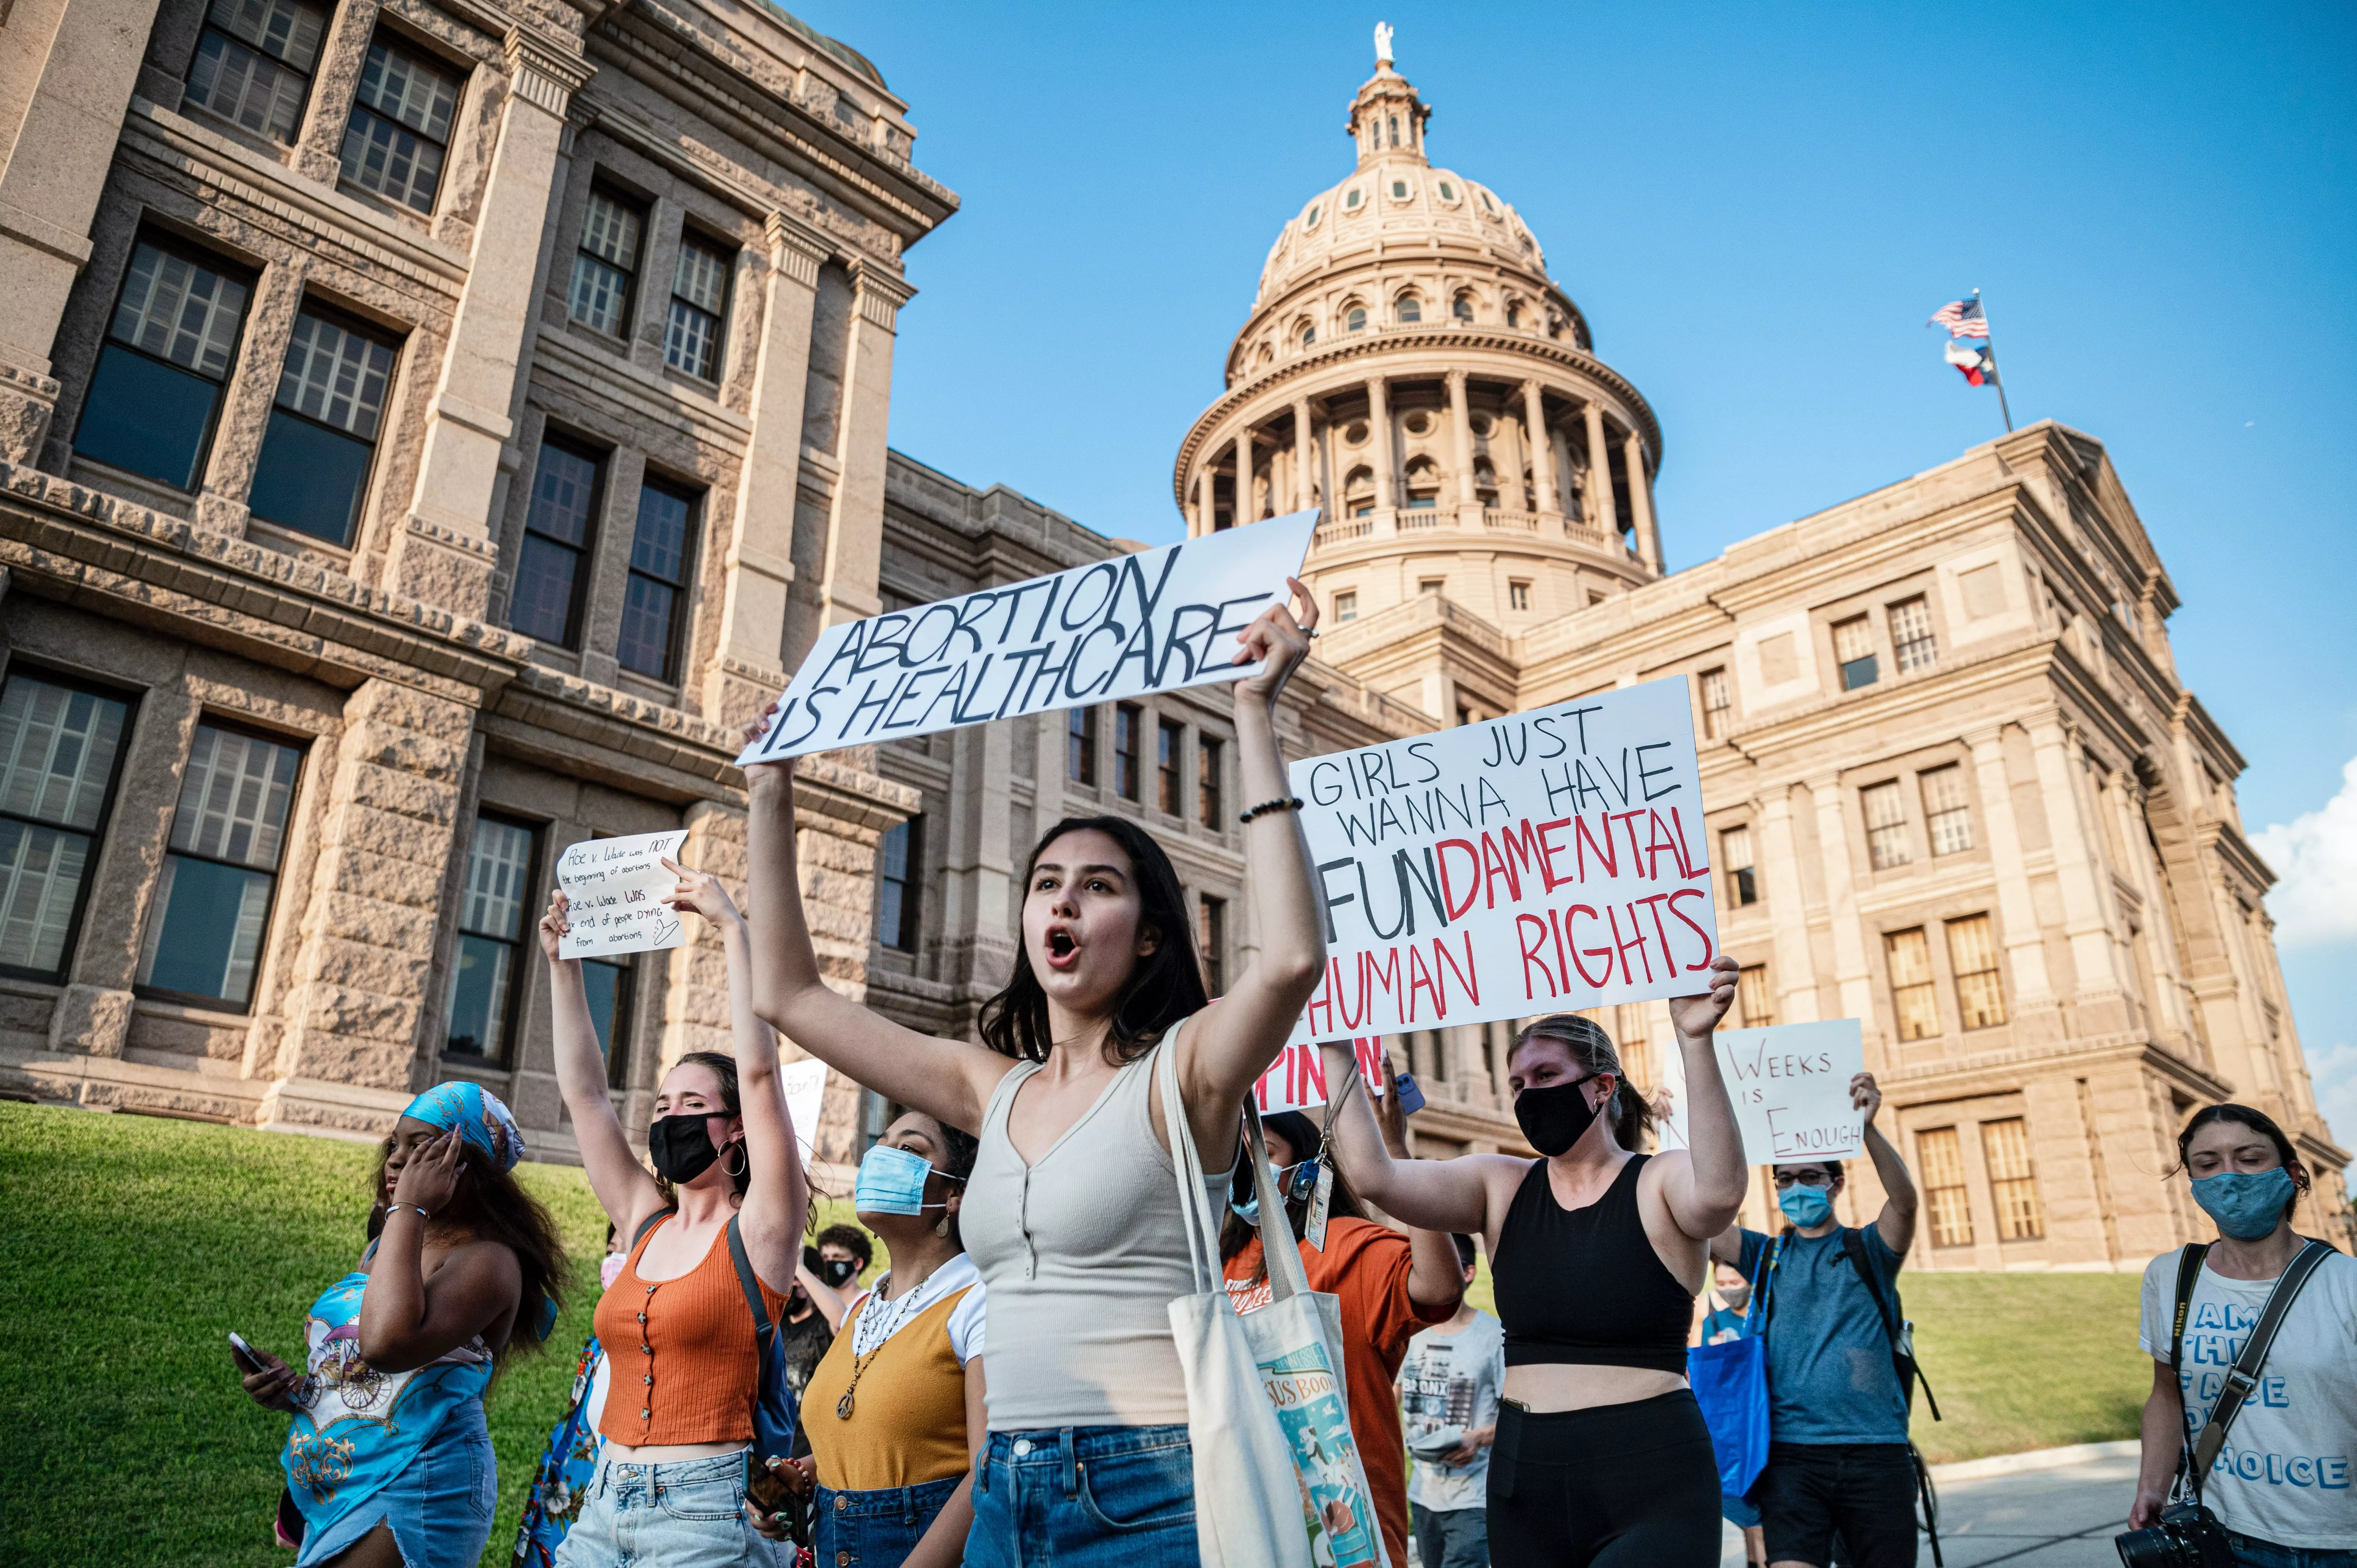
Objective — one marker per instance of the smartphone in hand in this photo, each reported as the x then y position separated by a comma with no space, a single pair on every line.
249,1360
1411,1098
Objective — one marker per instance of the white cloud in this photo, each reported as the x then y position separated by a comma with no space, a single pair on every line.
2316,857
2333,1071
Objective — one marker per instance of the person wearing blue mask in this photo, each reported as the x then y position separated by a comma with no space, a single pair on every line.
895,1412
1838,1463
2281,1486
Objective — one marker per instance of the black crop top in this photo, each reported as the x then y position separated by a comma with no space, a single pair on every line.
1583,1285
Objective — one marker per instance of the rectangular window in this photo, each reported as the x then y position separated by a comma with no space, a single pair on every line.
2006,1146
1937,1151
1913,996
493,921
606,263
1972,956
400,130
1717,704
157,384
1886,825
660,552
314,469
1946,813
1215,945
212,903
1518,596
608,984
699,304
1209,755
1853,651
59,750
1758,1008
1346,606
1911,635
1170,764
253,63
899,895
1430,584
1126,760
1080,746
552,569
1734,855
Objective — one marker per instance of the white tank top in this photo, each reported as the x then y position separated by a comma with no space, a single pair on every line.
1083,1254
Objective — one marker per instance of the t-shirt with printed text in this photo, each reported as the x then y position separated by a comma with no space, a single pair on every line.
1452,1380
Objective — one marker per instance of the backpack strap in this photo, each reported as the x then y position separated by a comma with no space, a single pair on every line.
649,1223
1902,1348
763,1330
2244,1376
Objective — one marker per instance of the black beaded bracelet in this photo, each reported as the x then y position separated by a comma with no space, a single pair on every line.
1291,803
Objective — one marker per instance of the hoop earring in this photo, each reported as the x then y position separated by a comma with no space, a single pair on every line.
744,1162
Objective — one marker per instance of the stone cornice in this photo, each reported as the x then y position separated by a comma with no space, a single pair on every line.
545,72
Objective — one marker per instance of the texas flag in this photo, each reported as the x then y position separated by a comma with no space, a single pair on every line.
1974,359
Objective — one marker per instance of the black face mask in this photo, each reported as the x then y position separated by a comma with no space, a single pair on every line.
1556,1117
681,1147
836,1271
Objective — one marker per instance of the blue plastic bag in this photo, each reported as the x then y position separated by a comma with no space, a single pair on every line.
1730,1383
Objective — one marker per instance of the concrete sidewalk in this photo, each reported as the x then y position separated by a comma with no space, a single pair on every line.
2058,1508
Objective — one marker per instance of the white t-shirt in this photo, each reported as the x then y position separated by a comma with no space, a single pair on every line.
967,1318
2285,1472
1452,1380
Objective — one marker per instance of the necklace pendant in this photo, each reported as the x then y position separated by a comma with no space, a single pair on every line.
843,1406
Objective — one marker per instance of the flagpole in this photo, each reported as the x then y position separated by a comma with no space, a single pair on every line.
1996,374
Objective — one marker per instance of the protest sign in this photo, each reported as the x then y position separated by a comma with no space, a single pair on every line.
1297,1080
1156,621
804,1083
1790,1084
1533,864
614,889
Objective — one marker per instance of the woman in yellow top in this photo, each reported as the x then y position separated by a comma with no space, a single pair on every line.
895,1411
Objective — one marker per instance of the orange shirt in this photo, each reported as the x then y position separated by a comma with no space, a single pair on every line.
680,1351
1366,1264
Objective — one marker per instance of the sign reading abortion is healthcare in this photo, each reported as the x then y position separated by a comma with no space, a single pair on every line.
1533,864
1155,621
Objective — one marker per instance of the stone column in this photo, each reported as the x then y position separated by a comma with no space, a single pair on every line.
1534,436
1379,430
1640,505
444,555
978,860
1240,513
855,524
1795,976
1468,494
1206,506
758,539
2077,866
1841,898
58,133
2025,943
1305,458
1602,512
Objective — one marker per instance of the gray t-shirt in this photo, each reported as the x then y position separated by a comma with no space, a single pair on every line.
1452,1380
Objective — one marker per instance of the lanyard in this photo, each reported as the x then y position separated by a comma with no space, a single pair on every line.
1764,1289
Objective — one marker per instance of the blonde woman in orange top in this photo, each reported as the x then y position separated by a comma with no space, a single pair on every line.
670,1485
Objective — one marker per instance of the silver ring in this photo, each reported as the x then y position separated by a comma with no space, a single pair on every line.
1313,631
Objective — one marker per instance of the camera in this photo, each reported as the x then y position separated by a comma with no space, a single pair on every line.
2187,1536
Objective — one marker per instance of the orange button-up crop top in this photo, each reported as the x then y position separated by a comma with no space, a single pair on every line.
680,1352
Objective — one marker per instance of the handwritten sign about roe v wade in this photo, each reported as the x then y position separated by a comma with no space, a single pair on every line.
1535,863
1155,621
613,890
1789,1083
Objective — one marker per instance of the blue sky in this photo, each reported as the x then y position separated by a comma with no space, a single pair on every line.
1756,208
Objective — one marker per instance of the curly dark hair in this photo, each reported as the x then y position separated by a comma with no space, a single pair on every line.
490,1204
1593,1050
1163,987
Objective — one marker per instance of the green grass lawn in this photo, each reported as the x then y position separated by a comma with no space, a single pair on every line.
130,1246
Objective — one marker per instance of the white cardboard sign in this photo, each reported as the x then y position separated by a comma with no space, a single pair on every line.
1156,621
1535,863
613,890
1789,1083
1298,1078
804,1083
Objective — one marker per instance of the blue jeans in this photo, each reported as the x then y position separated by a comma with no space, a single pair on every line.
1085,1497
1451,1538
875,1528
2250,1552
690,1514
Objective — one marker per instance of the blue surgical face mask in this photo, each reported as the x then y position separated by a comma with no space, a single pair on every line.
1249,1210
892,1181
1806,1206
2247,1205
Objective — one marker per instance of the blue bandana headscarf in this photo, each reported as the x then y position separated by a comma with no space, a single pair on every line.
477,1114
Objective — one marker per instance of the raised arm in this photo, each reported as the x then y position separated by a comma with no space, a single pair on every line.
1897,1221
1703,1184
1231,1043
1427,1194
410,1318
947,1079
624,1188
1434,1277
771,1218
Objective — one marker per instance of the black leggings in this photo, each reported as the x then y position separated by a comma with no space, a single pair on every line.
1617,1486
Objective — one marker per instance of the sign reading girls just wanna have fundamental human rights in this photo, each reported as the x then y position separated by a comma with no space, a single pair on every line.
1155,621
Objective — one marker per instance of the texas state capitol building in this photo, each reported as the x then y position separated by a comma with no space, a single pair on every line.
428,431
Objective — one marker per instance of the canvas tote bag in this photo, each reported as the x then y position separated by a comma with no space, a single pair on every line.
1278,1483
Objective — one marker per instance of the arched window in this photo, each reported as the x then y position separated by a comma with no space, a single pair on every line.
1394,130
1485,481
1423,485
1486,204
1514,314
1409,310
1311,221
1359,491
1357,319
1351,198
1463,309
1309,334
1447,191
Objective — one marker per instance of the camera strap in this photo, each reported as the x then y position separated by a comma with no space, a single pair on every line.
2244,1375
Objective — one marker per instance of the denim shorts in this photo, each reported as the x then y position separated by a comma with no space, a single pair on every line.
690,1514
438,1508
1085,1497
2250,1552
875,1528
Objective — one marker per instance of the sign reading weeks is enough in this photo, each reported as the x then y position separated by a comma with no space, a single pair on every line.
613,891
1155,621
1533,864
1789,1083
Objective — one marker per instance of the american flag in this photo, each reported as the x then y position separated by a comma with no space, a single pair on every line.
1962,318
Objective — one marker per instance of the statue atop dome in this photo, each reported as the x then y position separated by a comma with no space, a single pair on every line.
1383,44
